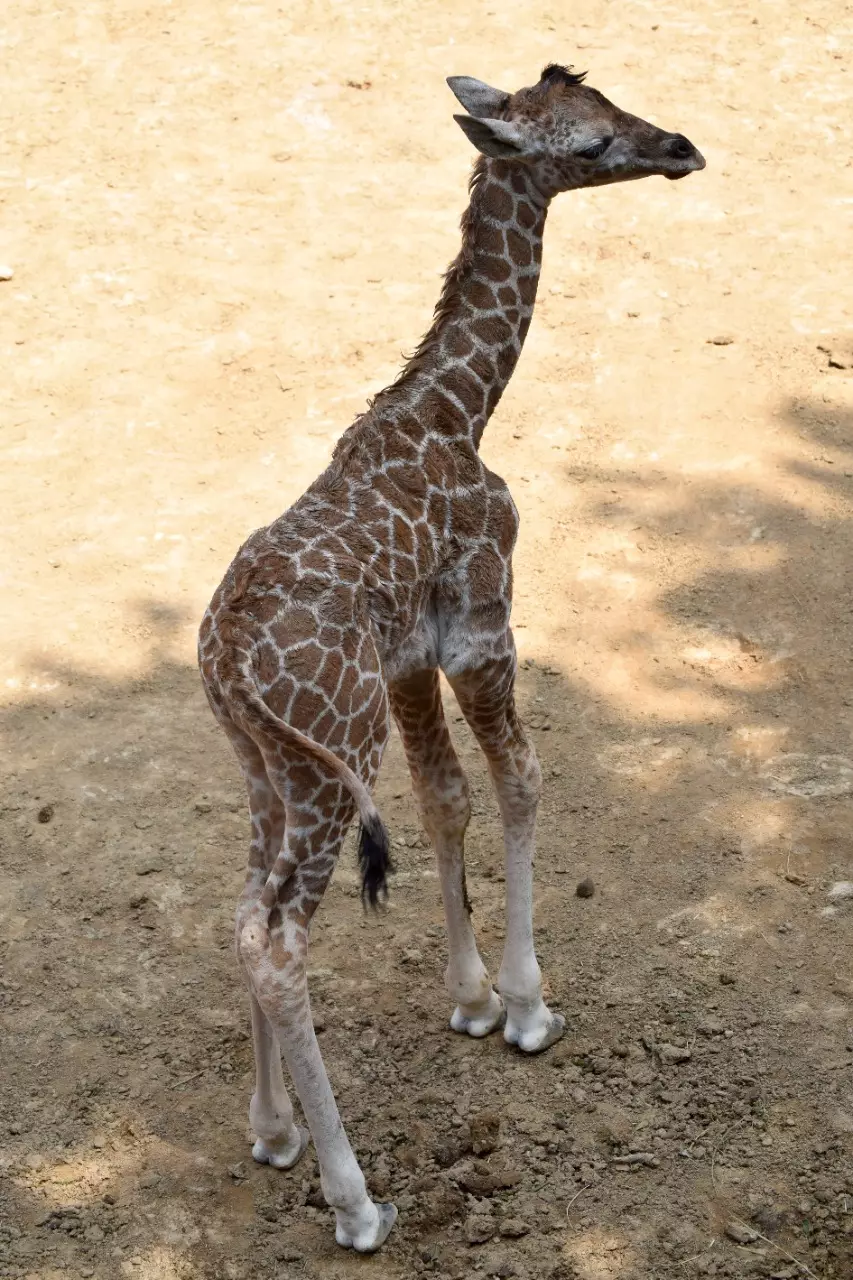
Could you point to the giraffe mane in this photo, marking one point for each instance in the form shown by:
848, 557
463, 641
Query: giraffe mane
554, 73
451, 290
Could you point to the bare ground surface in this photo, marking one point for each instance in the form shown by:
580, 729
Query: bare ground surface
226, 222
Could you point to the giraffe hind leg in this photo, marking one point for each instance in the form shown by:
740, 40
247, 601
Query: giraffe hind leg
274, 948
279, 1141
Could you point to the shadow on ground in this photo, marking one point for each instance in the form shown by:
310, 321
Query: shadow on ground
707, 980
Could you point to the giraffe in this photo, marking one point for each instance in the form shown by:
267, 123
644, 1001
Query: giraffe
396, 564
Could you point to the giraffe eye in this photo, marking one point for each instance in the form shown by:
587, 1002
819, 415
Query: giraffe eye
595, 150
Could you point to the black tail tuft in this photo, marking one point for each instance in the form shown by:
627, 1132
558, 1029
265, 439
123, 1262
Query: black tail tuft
374, 858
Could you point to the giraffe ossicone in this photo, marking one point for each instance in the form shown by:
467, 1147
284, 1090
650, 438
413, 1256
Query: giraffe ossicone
395, 564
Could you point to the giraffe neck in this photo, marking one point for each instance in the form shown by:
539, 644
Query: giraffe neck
461, 367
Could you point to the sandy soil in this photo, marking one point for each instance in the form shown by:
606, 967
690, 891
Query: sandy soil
226, 221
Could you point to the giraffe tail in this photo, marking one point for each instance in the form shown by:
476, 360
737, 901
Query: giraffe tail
374, 847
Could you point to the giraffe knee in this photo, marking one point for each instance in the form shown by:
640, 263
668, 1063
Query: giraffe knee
523, 783
447, 812
253, 937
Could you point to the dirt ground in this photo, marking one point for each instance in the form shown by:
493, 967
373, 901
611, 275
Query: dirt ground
226, 222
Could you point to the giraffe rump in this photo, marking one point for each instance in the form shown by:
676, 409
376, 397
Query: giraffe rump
260, 721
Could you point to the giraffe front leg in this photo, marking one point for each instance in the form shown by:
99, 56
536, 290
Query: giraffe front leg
486, 699
441, 790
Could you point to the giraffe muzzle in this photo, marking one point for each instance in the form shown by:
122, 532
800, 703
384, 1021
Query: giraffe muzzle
681, 149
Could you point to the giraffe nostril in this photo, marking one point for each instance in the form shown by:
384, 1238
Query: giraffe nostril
680, 148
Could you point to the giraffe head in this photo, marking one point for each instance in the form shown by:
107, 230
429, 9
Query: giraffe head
569, 134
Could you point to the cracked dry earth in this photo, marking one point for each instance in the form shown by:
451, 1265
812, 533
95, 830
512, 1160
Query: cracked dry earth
225, 222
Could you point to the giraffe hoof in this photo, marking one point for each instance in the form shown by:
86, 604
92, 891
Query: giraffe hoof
538, 1039
481, 1024
282, 1155
371, 1238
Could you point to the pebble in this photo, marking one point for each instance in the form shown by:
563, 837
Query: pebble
485, 1132
586, 888
740, 1233
721, 340
672, 1055
840, 890
514, 1228
6, 272
288, 1253
479, 1180
839, 354
498, 1264
479, 1229
149, 866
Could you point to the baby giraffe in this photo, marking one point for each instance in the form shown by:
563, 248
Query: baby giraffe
395, 564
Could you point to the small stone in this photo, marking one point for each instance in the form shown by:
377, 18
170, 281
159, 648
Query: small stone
148, 866
485, 1132
740, 1233
480, 1180
672, 1055
6, 272
202, 806
439, 1204
721, 340
839, 353
238, 1172
446, 1153
45, 813
498, 1264
586, 888
840, 890
138, 900
727, 978
479, 1229
514, 1228
288, 1253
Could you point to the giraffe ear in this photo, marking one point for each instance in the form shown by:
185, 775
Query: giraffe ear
499, 138
477, 98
